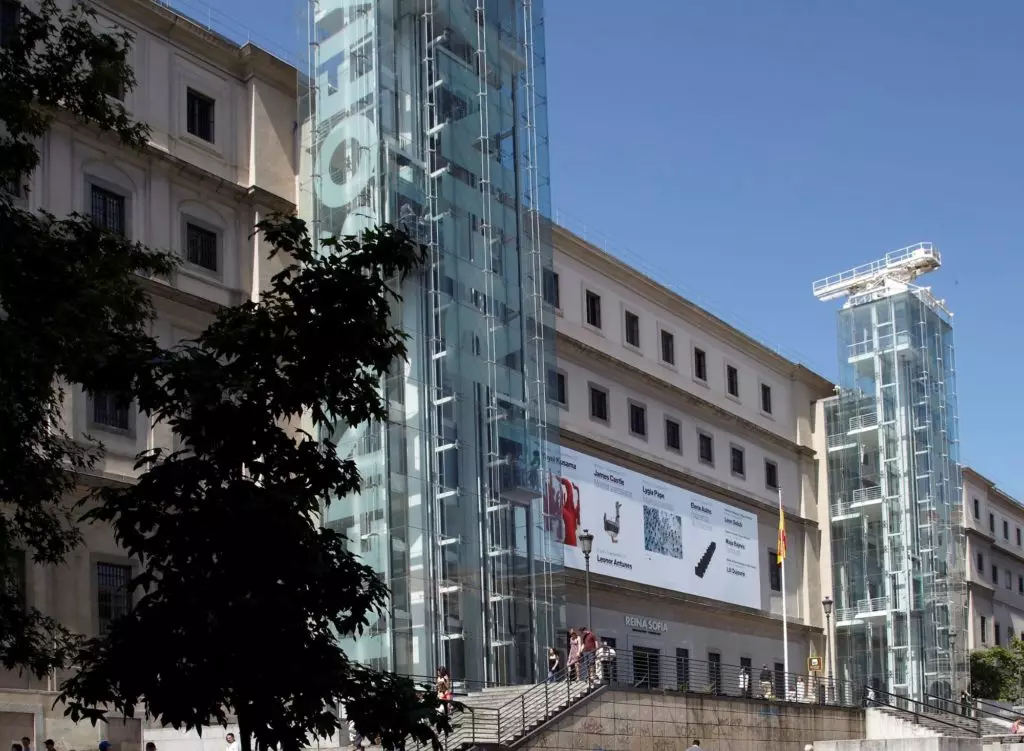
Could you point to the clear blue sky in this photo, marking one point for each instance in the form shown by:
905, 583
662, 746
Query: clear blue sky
746, 148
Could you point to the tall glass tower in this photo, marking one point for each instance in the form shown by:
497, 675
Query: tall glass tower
431, 115
894, 482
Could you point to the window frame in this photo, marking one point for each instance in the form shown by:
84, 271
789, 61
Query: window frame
93, 183
679, 434
765, 389
699, 363
729, 370
774, 572
97, 560
736, 450
552, 283
1006, 529
635, 407
591, 389
701, 435
626, 315
991, 523
663, 336
93, 425
561, 383
201, 98
977, 509
984, 629
775, 466
588, 296
188, 220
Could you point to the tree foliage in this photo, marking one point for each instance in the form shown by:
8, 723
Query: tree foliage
72, 308
998, 673
243, 592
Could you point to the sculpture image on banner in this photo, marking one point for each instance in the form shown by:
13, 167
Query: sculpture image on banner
651, 532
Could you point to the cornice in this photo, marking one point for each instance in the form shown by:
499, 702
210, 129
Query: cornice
242, 61
612, 586
677, 394
609, 266
656, 469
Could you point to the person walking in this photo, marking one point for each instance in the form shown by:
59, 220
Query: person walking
575, 647
444, 688
745, 681
554, 663
605, 658
766, 683
590, 653
695, 746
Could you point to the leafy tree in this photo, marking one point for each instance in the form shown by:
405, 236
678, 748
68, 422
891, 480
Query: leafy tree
243, 593
72, 308
998, 673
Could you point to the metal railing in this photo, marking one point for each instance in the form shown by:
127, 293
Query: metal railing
933, 713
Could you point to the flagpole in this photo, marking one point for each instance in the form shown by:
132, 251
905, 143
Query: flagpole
785, 621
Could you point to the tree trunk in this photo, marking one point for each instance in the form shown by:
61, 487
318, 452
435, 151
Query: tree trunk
244, 730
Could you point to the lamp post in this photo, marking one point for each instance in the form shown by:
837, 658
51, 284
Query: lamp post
952, 667
587, 545
826, 605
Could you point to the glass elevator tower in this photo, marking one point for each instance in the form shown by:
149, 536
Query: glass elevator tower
431, 115
894, 482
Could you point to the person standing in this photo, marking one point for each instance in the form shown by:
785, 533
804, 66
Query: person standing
589, 652
574, 655
554, 663
444, 688
766, 683
229, 740
695, 746
745, 681
26, 743
605, 658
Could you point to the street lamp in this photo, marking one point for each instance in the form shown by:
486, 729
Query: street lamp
826, 605
587, 545
952, 663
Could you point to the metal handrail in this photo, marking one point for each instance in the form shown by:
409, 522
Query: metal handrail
921, 710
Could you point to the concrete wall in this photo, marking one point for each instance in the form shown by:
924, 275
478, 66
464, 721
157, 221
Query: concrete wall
32, 714
634, 721
903, 744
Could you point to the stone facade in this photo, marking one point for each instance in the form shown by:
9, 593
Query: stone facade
639, 721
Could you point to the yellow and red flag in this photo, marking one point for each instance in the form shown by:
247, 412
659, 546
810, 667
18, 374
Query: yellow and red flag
780, 556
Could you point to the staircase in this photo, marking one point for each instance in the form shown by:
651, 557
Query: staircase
506, 715
936, 717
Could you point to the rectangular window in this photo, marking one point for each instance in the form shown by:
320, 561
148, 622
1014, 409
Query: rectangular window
1006, 530
19, 564
200, 115
599, 404
1007, 579
700, 364
638, 420
737, 461
977, 509
766, 398
552, 293
673, 435
632, 324
682, 669
1018, 537
201, 246
107, 210
593, 309
981, 562
113, 600
984, 629
996, 634
668, 348
705, 448
771, 474
774, 571
557, 387
995, 574
1020, 585
715, 673
111, 411
109, 82
992, 523
732, 380
9, 13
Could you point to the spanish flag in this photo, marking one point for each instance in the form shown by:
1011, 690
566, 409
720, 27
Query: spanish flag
780, 556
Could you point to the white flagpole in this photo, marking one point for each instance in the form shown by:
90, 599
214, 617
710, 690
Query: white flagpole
785, 620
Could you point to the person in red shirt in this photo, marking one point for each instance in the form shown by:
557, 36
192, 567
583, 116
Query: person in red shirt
589, 652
